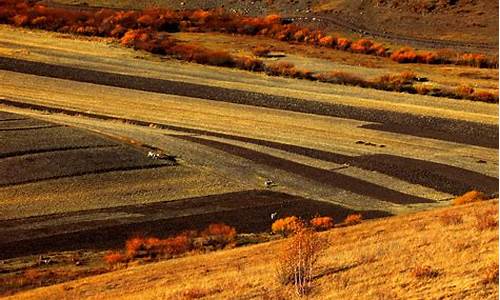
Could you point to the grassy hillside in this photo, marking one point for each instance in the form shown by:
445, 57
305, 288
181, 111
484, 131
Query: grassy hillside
445, 253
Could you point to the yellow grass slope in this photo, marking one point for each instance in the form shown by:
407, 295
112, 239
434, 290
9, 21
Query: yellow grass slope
374, 260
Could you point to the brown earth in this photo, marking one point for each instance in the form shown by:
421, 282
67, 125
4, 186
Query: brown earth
461, 25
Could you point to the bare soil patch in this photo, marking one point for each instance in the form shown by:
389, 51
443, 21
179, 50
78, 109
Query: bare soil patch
49, 151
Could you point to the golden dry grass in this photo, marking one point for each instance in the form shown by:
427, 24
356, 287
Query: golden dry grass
406, 257
98, 55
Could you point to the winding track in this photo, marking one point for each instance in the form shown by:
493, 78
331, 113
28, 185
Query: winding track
424, 42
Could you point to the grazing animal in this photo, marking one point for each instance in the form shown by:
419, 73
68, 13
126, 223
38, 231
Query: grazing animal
44, 260
268, 183
273, 215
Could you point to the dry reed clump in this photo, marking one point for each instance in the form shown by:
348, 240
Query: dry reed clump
297, 260
449, 218
287, 226
469, 197
339, 77
321, 223
288, 69
424, 272
353, 219
396, 82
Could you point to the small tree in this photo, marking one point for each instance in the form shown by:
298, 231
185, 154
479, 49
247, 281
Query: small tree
297, 259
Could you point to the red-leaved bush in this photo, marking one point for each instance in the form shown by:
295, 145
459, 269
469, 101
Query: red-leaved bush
321, 223
114, 23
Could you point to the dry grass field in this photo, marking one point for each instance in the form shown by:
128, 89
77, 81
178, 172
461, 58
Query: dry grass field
410, 257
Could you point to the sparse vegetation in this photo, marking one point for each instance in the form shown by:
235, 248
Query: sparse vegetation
261, 51
449, 218
424, 272
486, 221
490, 274
340, 270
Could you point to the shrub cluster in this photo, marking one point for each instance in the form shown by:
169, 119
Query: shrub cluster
409, 55
148, 30
469, 197
321, 223
287, 226
114, 23
353, 219
215, 236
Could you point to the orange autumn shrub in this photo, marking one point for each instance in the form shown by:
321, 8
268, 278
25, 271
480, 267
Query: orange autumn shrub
287, 226
353, 219
321, 223
469, 197
114, 258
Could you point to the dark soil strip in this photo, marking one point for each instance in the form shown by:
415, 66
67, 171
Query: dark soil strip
29, 128
55, 149
441, 177
7, 116
313, 153
439, 128
12, 120
333, 179
83, 173
249, 213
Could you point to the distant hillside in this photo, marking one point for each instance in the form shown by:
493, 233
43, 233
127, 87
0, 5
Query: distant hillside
445, 253
459, 20
470, 25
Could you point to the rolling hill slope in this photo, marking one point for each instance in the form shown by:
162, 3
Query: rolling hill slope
373, 260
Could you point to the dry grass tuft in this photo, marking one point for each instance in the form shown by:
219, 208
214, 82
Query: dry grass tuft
451, 218
490, 274
486, 221
424, 272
